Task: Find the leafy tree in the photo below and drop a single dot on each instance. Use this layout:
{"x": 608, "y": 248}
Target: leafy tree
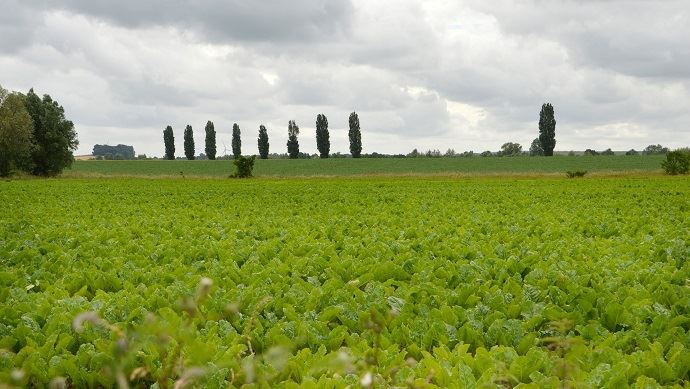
{"x": 236, "y": 141}
{"x": 632, "y": 152}
{"x": 591, "y": 152}
{"x": 413, "y": 154}
{"x": 487, "y": 153}
{"x": 293, "y": 143}
{"x": 510, "y": 149}
{"x": 189, "y": 143}
{"x": 450, "y": 153}
{"x": 210, "y": 141}
{"x": 608, "y": 152}
{"x": 547, "y": 129}
{"x": 323, "y": 142}
{"x": 355, "y": 136}
{"x": 535, "y": 149}
{"x": 16, "y": 139}
{"x": 263, "y": 142}
{"x": 655, "y": 149}
{"x": 169, "y": 140}
{"x": 244, "y": 166}
{"x": 54, "y": 135}
{"x": 677, "y": 162}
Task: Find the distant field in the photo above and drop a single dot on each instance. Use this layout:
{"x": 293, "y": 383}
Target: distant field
{"x": 390, "y": 166}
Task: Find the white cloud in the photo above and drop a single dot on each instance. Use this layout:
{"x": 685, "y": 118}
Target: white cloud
{"x": 424, "y": 74}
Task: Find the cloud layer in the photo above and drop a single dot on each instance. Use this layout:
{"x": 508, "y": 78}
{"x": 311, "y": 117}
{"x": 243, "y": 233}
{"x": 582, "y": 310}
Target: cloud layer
{"x": 424, "y": 74}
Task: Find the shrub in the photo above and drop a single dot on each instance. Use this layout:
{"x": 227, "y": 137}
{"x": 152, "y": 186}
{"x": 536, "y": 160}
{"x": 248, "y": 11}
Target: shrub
{"x": 677, "y": 162}
{"x": 576, "y": 173}
{"x": 244, "y": 166}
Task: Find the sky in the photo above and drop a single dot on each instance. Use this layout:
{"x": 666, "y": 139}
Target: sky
{"x": 425, "y": 74}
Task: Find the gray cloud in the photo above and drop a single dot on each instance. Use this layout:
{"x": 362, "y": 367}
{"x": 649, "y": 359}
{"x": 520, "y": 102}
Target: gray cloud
{"x": 425, "y": 74}
{"x": 222, "y": 20}
{"x": 16, "y": 26}
{"x": 637, "y": 38}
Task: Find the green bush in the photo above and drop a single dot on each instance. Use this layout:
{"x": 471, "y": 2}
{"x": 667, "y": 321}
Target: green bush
{"x": 677, "y": 162}
{"x": 244, "y": 166}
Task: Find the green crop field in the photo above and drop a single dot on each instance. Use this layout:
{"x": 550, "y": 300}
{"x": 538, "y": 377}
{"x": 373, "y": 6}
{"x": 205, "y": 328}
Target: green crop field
{"x": 369, "y": 166}
{"x": 322, "y": 282}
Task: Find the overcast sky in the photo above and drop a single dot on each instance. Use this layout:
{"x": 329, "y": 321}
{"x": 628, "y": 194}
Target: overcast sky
{"x": 468, "y": 75}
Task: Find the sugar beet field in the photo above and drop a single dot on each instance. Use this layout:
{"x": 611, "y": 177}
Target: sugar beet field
{"x": 334, "y": 282}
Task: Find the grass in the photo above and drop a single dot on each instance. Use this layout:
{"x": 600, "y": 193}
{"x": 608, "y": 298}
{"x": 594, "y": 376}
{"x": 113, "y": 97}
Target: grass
{"x": 390, "y": 166}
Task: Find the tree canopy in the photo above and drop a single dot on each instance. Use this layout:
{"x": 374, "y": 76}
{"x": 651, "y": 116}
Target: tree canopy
{"x": 54, "y": 136}
{"x": 113, "y": 152}
{"x": 16, "y": 138}
{"x": 535, "y": 148}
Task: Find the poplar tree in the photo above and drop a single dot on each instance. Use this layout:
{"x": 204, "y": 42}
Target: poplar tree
{"x": 355, "y": 136}
{"x": 210, "y": 141}
{"x": 189, "y": 143}
{"x": 236, "y": 141}
{"x": 547, "y": 129}
{"x": 293, "y": 143}
{"x": 323, "y": 142}
{"x": 263, "y": 142}
{"x": 169, "y": 140}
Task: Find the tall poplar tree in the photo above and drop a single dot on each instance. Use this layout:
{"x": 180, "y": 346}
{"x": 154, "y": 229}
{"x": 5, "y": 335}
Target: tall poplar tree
{"x": 236, "y": 141}
{"x": 293, "y": 143}
{"x": 210, "y": 140}
{"x": 355, "y": 136}
{"x": 189, "y": 143}
{"x": 323, "y": 142}
{"x": 169, "y": 140}
{"x": 547, "y": 129}
{"x": 263, "y": 142}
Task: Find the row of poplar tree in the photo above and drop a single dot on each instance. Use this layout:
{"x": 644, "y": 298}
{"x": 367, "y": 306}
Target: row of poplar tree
{"x": 323, "y": 142}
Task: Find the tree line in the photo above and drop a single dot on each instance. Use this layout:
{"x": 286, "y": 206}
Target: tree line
{"x": 323, "y": 142}
{"x": 113, "y": 152}
{"x": 35, "y": 136}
